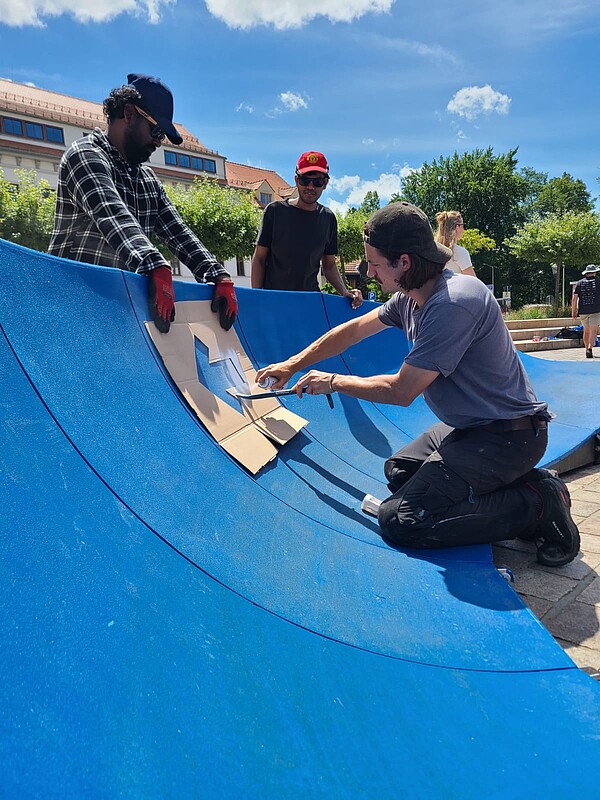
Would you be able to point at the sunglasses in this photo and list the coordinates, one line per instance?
(318, 183)
(156, 132)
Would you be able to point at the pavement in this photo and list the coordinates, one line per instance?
(566, 600)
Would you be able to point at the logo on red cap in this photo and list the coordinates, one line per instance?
(312, 161)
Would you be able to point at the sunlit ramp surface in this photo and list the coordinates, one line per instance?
(176, 627)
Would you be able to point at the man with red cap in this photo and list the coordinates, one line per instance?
(298, 237)
(109, 204)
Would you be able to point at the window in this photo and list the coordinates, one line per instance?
(55, 134)
(265, 198)
(34, 131)
(241, 267)
(176, 268)
(190, 162)
(13, 126)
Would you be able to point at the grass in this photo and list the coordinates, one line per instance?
(539, 312)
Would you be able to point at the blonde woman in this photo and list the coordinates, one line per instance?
(450, 229)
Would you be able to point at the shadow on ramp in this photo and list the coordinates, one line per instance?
(175, 627)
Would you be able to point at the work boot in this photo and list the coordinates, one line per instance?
(556, 534)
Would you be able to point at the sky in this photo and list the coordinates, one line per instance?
(379, 86)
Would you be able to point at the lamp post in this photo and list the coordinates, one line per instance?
(556, 270)
(493, 284)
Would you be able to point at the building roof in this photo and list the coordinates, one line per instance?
(251, 178)
(21, 98)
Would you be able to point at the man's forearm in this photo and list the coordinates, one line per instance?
(332, 274)
(258, 267)
(257, 274)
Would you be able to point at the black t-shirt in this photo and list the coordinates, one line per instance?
(297, 240)
(589, 295)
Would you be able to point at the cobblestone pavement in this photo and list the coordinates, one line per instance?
(566, 600)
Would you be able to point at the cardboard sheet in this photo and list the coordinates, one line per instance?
(247, 434)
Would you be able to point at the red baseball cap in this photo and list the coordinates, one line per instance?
(312, 161)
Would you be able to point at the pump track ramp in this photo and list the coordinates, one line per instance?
(174, 627)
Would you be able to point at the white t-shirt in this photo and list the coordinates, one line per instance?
(460, 259)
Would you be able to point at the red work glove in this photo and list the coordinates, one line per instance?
(161, 298)
(225, 302)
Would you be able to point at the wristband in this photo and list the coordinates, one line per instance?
(331, 389)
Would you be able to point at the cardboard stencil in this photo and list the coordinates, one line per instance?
(246, 434)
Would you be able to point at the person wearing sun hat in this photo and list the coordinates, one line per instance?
(109, 203)
(298, 237)
(585, 303)
(471, 478)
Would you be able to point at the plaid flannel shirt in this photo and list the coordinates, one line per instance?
(107, 209)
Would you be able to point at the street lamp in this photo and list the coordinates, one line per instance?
(493, 284)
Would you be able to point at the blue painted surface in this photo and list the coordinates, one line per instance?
(175, 627)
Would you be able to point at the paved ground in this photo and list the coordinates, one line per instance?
(567, 599)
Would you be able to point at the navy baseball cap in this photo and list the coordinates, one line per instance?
(157, 100)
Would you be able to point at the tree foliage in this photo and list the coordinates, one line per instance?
(561, 195)
(370, 204)
(27, 212)
(225, 220)
(351, 226)
(475, 241)
(571, 239)
(486, 189)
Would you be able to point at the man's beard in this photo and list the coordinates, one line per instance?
(135, 153)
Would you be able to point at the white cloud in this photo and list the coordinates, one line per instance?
(336, 206)
(368, 142)
(292, 101)
(289, 103)
(355, 188)
(375, 41)
(345, 184)
(245, 107)
(291, 13)
(18, 13)
(472, 101)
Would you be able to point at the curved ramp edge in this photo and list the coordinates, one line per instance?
(161, 640)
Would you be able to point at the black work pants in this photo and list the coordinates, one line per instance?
(458, 487)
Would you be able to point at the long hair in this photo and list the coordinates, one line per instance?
(420, 271)
(114, 105)
(446, 230)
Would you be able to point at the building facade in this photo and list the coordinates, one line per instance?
(36, 127)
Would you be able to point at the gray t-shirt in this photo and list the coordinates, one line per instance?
(460, 333)
(297, 240)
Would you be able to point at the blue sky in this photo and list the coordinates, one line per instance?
(380, 86)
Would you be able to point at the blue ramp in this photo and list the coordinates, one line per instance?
(175, 627)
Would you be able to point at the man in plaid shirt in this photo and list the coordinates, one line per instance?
(109, 203)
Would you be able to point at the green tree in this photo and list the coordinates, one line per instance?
(570, 240)
(351, 226)
(534, 183)
(225, 220)
(485, 188)
(475, 241)
(563, 194)
(27, 211)
(370, 204)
